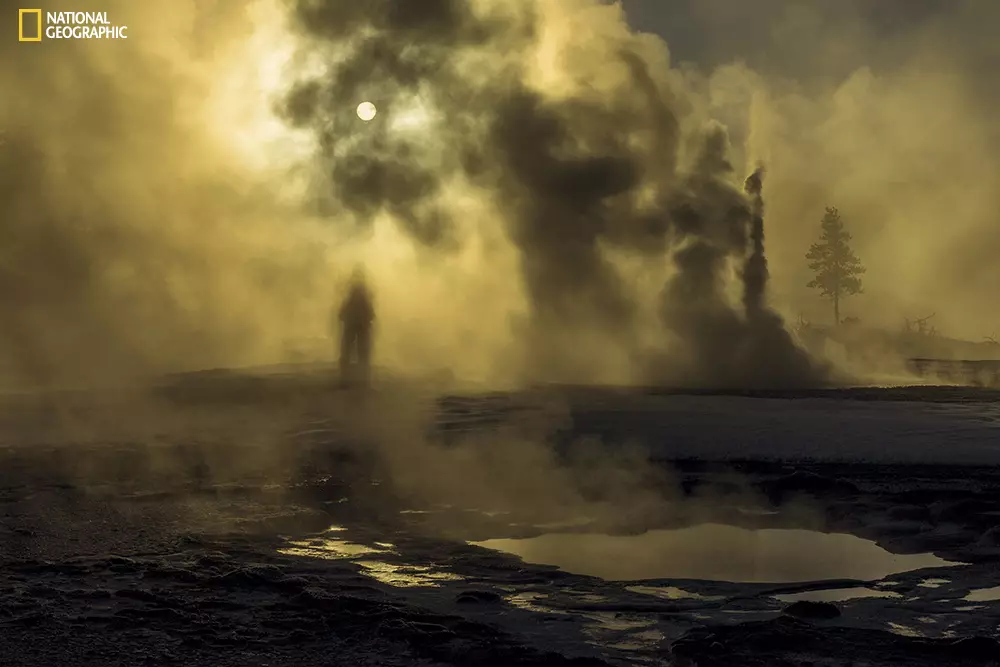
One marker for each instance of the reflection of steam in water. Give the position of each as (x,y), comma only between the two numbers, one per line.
(716,552)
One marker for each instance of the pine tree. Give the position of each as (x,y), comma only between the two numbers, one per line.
(837,268)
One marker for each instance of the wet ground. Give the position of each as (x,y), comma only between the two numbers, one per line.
(254,526)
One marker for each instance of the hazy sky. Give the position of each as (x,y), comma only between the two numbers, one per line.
(806,40)
(712,32)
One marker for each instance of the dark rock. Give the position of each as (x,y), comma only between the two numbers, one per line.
(298,636)
(991,538)
(477,597)
(123,560)
(140,595)
(242,578)
(900,527)
(841,511)
(298,521)
(807,609)
(976,554)
(909,513)
(43,592)
(802,482)
(960,511)
(944,536)
(46,567)
(429,628)
(790,641)
(254,576)
(689,485)
(176,573)
(982,648)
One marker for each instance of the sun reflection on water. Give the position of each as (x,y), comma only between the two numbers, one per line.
(394,574)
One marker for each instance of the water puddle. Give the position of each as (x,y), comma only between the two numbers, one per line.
(836,595)
(640,641)
(984,595)
(904,630)
(716,552)
(614,622)
(933,583)
(625,634)
(532,601)
(406,576)
(671,593)
(400,575)
(332,548)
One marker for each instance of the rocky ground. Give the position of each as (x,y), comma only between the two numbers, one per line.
(245,521)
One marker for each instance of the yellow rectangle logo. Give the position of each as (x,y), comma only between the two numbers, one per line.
(37,22)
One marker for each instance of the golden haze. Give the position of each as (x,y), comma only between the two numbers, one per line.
(154,214)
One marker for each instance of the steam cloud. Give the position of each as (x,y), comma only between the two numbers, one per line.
(576,176)
(567,211)
(541,195)
(134,243)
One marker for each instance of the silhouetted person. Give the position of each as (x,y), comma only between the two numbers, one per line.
(357,315)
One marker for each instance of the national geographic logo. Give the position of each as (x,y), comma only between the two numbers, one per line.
(66,25)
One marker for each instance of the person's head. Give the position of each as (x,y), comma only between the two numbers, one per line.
(358,277)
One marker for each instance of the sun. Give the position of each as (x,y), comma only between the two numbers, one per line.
(367,111)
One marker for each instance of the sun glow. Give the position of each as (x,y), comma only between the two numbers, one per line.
(250,80)
(417,117)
